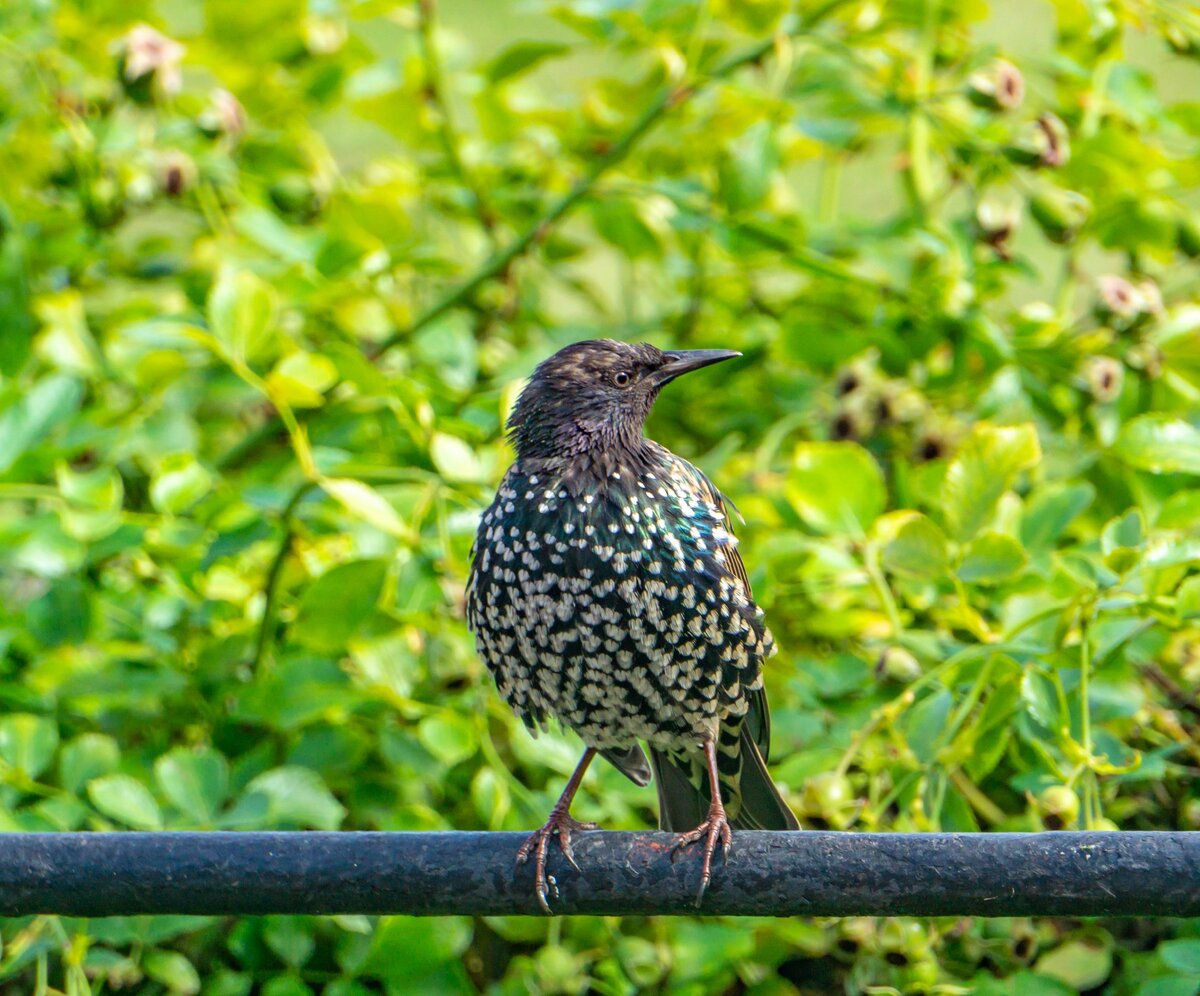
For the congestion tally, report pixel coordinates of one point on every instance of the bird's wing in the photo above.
(757, 721)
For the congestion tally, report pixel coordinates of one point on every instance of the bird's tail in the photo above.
(752, 800)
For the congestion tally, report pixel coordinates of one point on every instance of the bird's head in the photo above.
(597, 394)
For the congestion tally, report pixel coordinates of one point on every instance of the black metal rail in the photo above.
(774, 874)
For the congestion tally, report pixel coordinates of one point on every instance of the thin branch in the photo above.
(1180, 698)
(668, 100)
(266, 626)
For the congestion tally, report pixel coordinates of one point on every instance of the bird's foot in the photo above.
(562, 825)
(714, 828)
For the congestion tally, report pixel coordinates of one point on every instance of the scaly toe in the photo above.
(560, 825)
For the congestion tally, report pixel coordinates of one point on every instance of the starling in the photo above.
(606, 592)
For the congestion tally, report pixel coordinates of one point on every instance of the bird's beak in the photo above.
(681, 361)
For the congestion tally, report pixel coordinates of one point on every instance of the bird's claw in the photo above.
(714, 828)
(561, 825)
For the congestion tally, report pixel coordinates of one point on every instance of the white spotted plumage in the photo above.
(626, 621)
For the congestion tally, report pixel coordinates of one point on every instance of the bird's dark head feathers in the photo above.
(597, 394)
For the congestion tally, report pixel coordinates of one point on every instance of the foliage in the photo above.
(266, 298)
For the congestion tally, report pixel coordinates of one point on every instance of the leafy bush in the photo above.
(270, 280)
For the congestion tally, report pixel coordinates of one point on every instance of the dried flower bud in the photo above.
(1105, 377)
(931, 446)
(997, 218)
(848, 382)
(999, 87)
(1059, 213)
(1146, 357)
(845, 426)
(149, 55)
(1045, 142)
(1152, 300)
(177, 173)
(224, 115)
(1118, 299)
(1059, 807)
(897, 664)
(1056, 149)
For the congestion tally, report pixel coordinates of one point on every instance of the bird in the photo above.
(606, 592)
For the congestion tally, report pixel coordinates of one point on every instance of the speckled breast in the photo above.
(615, 610)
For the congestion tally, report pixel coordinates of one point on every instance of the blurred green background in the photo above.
(270, 276)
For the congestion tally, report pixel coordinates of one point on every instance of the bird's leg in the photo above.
(561, 823)
(715, 826)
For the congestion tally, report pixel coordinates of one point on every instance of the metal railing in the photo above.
(809, 873)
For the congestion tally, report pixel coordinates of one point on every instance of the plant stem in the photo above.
(919, 175)
(266, 625)
(1067, 282)
(882, 591)
(979, 802)
(435, 94)
(667, 100)
(1085, 675)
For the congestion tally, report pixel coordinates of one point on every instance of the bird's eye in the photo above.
(621, 378)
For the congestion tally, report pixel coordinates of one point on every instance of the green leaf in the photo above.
(338, 603)
(34, 413)
(1051, 510)
(1159, 443)
(1182, 955)
(241, 310)
(991, 558)
(291, 938)
(86, 757)
(92, 508)
(173, 970)
(925, 722)
(298, 797)
(454, 458)
(619, 222)
(16, 317)
(490, 797)
(1169, 985)
(520, 58)
(917, 548)
(28, 742)
(984, 468)
(1187, 598)
(448, 737)
(1180, 511)
(1122, 540)
(1081, 964)
(365, 502)
(836, 487)
(125, 800)
(411, 947)
(194, 781)
(1042, 701)
(179, 482)
(300, 379)
(62, 615)
(746, 168)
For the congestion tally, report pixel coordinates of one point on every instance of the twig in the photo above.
(669, 99)
(266, 626)
(1178, 696)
